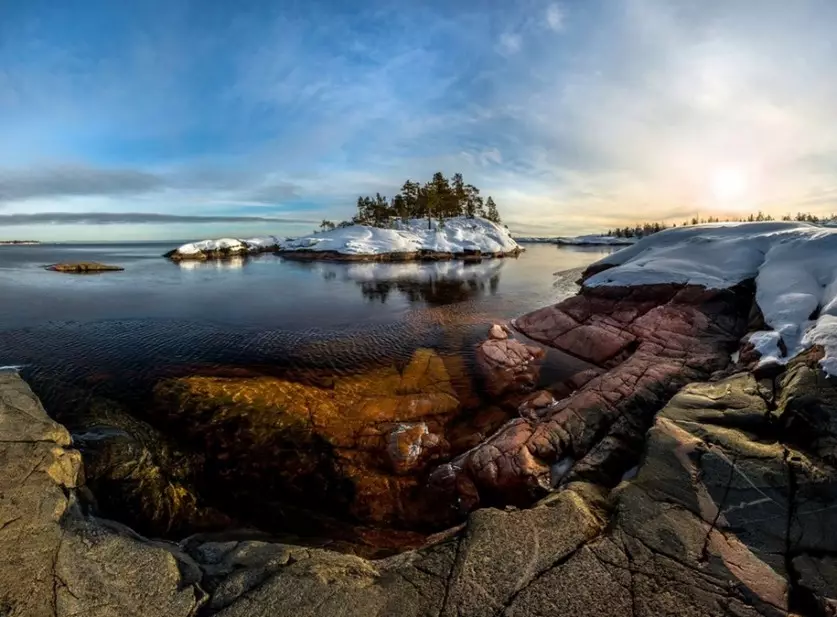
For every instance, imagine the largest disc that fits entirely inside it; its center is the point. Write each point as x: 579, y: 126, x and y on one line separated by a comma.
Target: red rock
x: 649, y: 341
x: 498, y: 332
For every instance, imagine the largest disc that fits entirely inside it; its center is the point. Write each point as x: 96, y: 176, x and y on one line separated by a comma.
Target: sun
x: 728, y: 183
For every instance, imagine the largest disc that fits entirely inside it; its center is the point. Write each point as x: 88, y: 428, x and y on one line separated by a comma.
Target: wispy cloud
x: 291, y: 109
x: 509, y: 43
x: 136, y: 218
x: 555, y: 17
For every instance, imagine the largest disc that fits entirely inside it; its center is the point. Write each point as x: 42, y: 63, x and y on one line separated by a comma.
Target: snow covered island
x: 589, y: 240
x: 794, y: 266
x: 459, y: 237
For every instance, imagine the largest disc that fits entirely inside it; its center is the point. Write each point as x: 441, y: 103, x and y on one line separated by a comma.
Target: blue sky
x: 576, y: 115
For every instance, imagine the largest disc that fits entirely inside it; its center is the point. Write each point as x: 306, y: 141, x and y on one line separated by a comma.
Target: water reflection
x: 232, y: 263
x: 434, y: 283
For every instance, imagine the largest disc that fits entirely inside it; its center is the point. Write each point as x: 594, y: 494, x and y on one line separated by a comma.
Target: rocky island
x: 411, y: 240
x: 18, y: 242
x: 686, y: 466
x: 85, y: 267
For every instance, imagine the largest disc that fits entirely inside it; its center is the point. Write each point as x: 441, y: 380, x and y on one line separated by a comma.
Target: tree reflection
x: 435, y: 291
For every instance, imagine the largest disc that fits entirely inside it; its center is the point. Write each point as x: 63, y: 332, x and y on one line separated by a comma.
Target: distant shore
x: 18, y: 242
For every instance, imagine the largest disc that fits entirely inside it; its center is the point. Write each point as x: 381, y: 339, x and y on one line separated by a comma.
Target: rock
x: 356, y: 447
x: 57, y: 561
x: 498, y: 332
x: 649, y: 342
x: 139, y: 475
x: 87, y: 267
x: 508, y: 366
x: 731, y: 512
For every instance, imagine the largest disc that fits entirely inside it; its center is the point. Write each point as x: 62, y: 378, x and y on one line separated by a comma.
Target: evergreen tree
x: 472, y: 201
x: 492, y: 214
x: 460, y: 194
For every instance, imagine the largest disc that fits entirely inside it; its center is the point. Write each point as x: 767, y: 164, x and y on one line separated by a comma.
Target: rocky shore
x: 674, y: 473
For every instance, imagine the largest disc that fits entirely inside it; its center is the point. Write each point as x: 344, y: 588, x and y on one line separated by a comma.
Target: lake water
x: 260, y: 311
x: 114, y: 336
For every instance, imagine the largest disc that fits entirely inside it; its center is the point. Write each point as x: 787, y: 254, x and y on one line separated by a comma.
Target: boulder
x: 508, y: 366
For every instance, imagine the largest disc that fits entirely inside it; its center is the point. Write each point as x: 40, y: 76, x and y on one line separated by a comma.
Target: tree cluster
x: 438, y: 199
x: 646, y: 229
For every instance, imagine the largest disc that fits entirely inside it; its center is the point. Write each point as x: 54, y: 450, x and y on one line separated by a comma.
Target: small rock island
x: 84, y: 267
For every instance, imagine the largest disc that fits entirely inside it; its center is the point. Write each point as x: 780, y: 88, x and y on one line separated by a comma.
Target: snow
x: 456, y: 236
x: 793, y: 265
x: 234, y: 245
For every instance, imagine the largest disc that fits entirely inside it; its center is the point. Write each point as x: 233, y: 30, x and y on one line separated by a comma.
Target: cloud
x: 555, y: 17
x: 134, y: 218
x: 509, y: 43
x: 299, y: 107
x: 23, y: 184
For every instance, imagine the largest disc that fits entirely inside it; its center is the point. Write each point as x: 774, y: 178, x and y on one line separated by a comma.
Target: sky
x: 183, y: 119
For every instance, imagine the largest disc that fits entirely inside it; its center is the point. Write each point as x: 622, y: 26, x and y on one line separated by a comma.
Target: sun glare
x: 728, y: 183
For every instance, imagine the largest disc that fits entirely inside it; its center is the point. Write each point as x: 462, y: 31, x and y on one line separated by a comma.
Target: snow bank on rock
x: 231, y: 245
x: 794, y: 266
x: 457, y: 235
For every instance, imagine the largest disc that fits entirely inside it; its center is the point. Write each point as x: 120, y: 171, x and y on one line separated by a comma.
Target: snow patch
x: 793, y: 265
x: 457, y: 235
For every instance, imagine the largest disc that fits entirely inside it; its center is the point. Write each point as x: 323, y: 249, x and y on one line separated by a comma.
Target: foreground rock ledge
x: 722, y: 518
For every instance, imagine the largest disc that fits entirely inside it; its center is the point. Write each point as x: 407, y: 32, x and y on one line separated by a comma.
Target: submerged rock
x: 354, y: 445
x: 138, y: 474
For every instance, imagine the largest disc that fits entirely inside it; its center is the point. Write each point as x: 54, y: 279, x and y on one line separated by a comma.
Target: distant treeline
x: 438, y: 199
x: 646, y: 229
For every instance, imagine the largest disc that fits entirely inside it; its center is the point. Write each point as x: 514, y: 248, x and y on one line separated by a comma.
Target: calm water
x: 265, y: 311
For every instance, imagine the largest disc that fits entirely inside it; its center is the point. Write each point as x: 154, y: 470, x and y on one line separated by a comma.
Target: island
x: 587, y: 240
x: 85, y: 267
x: 18, y: 242
x: 442, y: 219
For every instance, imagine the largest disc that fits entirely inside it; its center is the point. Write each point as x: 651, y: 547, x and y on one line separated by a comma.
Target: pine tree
x: 492, y: 214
